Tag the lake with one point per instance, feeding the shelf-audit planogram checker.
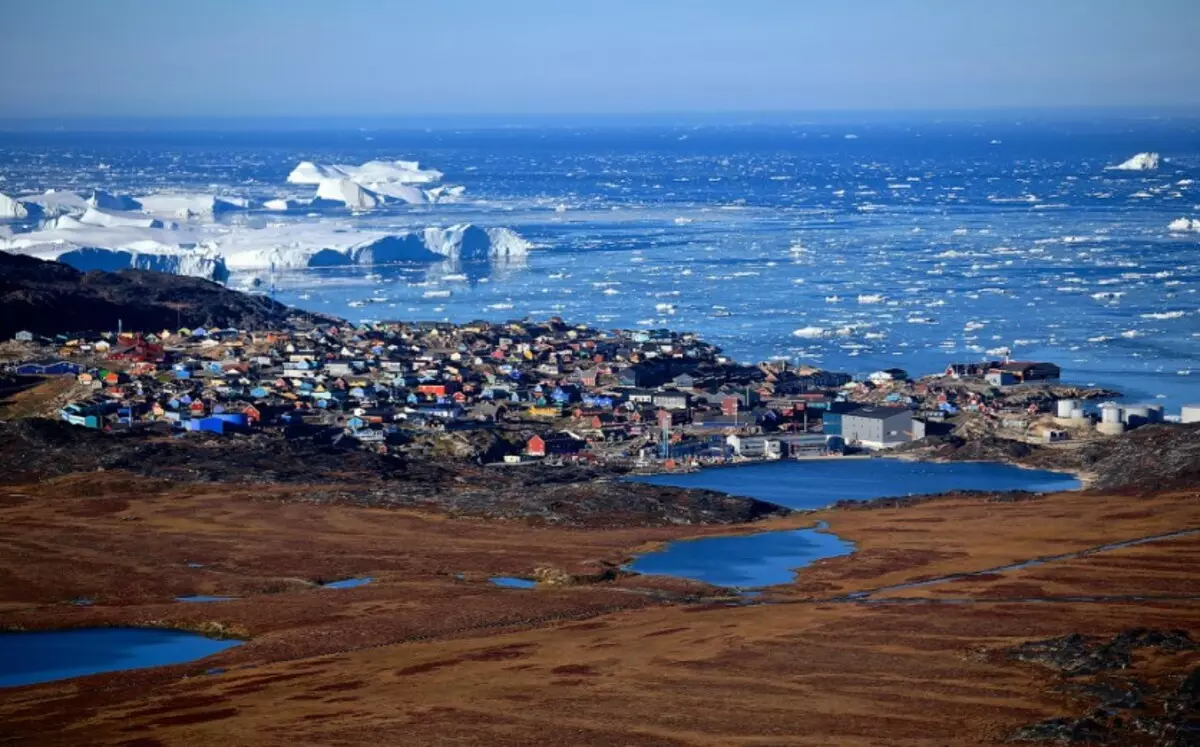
(746, 561)
(817, 483)
(29, 658)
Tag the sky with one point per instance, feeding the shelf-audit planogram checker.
(405, 58)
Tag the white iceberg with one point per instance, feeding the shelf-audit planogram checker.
(108, 201)
(105, 218)
(185, 205)
(371, 172)
(348, 193)
(810, 333)
(1184, 225)
(394, 180)
(11, 209)
(52, 203)
(1140, 162)
(284, 204)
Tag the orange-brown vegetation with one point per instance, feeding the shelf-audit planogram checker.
(431, 653)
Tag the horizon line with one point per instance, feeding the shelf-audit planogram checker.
(53, 122)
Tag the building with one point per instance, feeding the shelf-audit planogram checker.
(555, 444)
(877, 427)
(755, 447)
(670, 400)
(1190, 414)
(1022, 372)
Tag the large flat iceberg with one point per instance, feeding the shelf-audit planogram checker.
(212, 250)
(371, 172)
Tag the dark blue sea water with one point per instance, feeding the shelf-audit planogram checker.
(747, 561)
(856, 243)
(28, 658)
(820, 482)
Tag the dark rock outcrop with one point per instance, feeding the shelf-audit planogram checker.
(49, 298)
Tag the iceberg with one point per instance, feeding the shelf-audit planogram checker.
(283, 204)
(97, 217)
(371, 172)
(183, 205)
(52, 203)
(149, 256)
(810, 333)
(1139, 162)
(108, 201)
(294, 247)
(1184, 225)
(348, 193)
(11, 209)
(392, 180)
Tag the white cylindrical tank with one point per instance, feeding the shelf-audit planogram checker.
(1077, 413)
(1191, 414)
(1110, 412)
(1066, 407)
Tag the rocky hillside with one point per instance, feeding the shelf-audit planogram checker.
(48, 298)
(1154, 457)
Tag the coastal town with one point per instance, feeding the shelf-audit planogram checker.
(552, 391)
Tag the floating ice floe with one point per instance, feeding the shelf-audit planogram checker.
(1140, 162)
(810, 333)
(1179, 225)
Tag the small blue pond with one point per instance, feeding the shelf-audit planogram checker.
(348, 583)
(29, 658)
(510, 582)
(200, 598)
(817, 483)
(746, 561)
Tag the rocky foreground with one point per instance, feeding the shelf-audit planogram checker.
(328, 471)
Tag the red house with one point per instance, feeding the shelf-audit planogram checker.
(555, 443)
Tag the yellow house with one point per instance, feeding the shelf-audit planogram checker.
(543, 412)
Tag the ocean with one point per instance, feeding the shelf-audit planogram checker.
(852, 244)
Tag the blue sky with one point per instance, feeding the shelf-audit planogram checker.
(327, 58)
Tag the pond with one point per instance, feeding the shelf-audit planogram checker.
(30, 658)
(510, 582)
(816, 483)
(745, 561)
(203, 598)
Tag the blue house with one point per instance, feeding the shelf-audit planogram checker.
(76, 415)
(57, 368)
(208, 425)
